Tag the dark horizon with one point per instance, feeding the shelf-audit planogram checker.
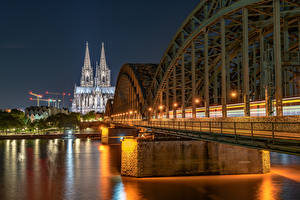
(42, 46)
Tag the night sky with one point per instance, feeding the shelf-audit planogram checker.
(42, 42)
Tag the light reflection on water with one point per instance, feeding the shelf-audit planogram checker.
(85, 169)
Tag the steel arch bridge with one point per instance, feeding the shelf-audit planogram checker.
(225, 52)
(130, 95)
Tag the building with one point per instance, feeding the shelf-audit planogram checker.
(93, 92)
(42, 112)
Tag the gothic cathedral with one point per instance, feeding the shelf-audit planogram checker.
(93, 93)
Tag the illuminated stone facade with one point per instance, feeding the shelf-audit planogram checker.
(93, 92)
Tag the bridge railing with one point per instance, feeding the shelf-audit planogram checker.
(273, 130)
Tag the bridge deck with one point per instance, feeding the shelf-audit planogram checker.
(274, 136)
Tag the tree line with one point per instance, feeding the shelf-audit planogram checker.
(15, 121)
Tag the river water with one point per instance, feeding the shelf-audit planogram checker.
(84, 169)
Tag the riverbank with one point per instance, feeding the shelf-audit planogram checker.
(49, 136)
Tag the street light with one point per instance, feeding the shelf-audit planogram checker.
(233, 94)
(197, 100)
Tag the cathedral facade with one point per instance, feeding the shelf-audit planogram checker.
(94, 91)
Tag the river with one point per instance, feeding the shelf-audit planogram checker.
(84, 169)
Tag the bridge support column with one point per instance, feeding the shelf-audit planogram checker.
(253, 79)
(246, 63)
(299, 38)
(223, 66)
(228, 80)
(193, 81)
(183, 87)
(215, 86)
(174, 106)
(239, 88)
(261, 60)
(129, 103)
(161, 109)
(206, 80)
(167, 99)
(142, 158)
(287, 75)
(296, 84)
(277, 57)
(268, 103)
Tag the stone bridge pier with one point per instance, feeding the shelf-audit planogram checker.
(149, 158)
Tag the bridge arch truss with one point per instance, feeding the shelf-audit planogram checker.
(130, 95)
(228, 51)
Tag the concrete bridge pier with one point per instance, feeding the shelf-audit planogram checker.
(142, 158)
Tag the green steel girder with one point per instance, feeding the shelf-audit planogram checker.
(221, 12)
(204, 18)
(175, 52)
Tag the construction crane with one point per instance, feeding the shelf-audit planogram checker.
(47, 100)
(38, 97)
(63, 94)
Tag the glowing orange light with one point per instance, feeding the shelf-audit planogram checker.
(100, 147)
(160, 107)
(130, 112)
(233, 94)
(150, 109)
(197, 100)
(175, 105)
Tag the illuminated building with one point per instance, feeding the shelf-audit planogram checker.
(93, 92)
(42, 112)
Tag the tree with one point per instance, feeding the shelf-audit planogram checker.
(14, 119)
(89, 116)
(19, 119)
(42, 124)
(4, 121)
(31, 125)
(63, 121)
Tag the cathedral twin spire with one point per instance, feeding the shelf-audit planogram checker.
(87, 71)
(102, 76)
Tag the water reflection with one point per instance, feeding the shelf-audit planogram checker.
(268, 189)
(69, 170)
(118, 192)
(86, 169)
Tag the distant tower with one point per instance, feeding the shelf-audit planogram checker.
(87, 71)
(102, 77)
